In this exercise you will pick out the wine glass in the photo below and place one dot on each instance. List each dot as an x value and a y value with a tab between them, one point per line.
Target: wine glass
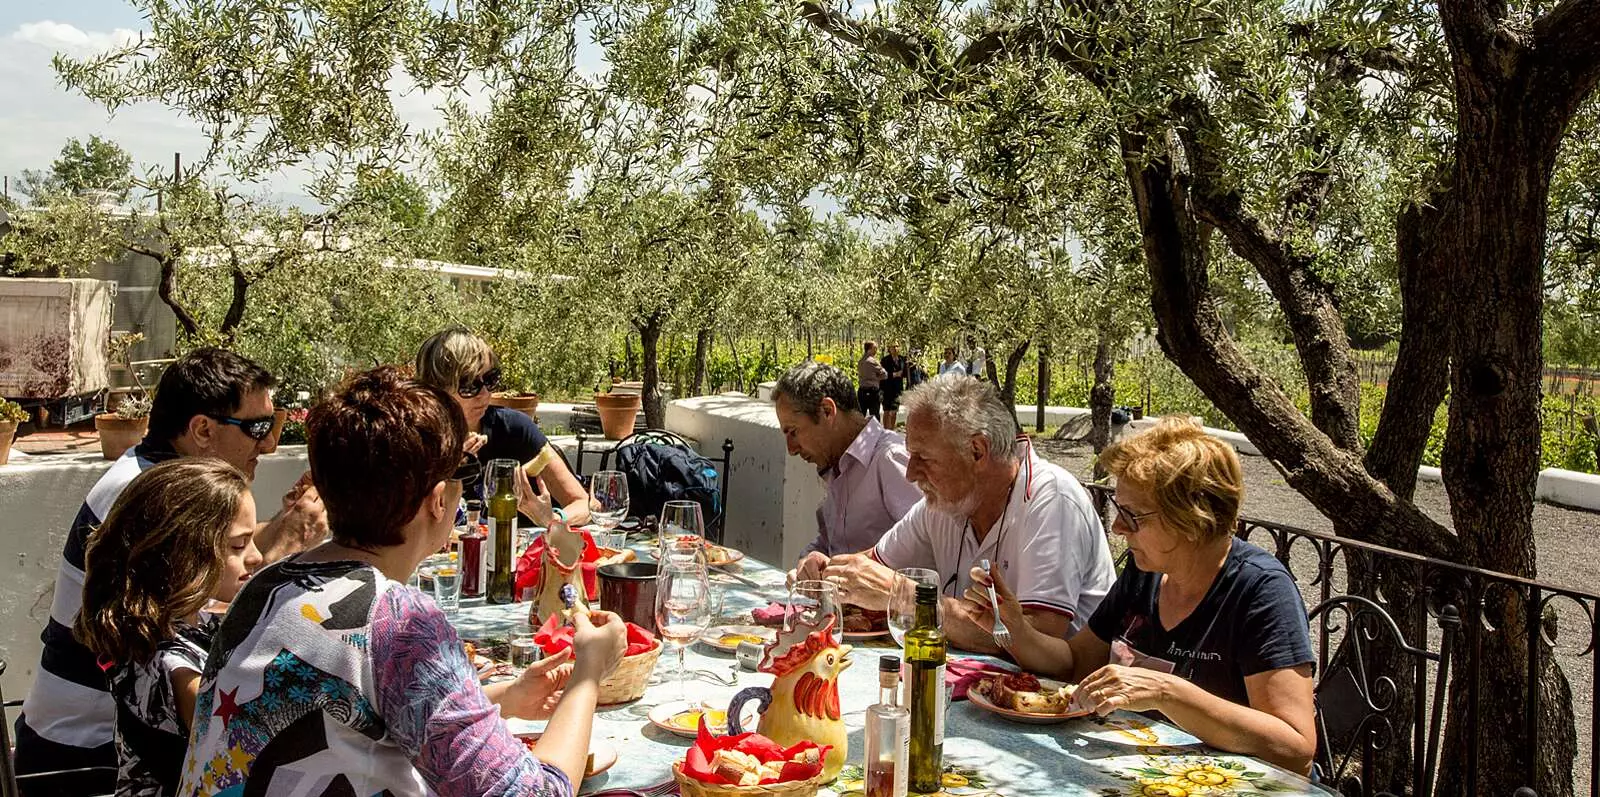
814	603
683	551
495	470
681	519
683	609
903	599
608	499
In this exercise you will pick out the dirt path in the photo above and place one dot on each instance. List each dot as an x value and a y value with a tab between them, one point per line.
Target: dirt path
1568	546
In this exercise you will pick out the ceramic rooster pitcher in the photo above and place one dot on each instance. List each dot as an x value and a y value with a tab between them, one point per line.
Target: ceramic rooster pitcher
563	557
803	702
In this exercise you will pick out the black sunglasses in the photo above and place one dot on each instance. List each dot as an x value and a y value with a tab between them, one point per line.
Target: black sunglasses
1129	517
255	428
469	471
489	381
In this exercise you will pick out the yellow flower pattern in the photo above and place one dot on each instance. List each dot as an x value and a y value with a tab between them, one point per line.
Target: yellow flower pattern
1193	776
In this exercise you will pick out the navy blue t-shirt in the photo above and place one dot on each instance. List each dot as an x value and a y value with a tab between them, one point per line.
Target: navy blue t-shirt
512	435
1251	621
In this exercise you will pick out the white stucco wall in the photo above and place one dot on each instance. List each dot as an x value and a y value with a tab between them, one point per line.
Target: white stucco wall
772	497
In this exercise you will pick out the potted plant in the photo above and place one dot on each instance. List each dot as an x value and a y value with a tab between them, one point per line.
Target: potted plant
618	412
123	429
518	397
11	414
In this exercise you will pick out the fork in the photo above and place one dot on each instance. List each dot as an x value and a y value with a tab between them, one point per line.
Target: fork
1002	635
658	790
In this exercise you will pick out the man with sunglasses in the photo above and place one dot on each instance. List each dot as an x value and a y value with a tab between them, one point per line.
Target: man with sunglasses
210	403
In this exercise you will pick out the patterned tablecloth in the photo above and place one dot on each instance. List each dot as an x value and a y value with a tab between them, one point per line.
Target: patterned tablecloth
985	755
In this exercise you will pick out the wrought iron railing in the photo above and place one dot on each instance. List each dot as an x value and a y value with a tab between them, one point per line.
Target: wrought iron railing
1443	621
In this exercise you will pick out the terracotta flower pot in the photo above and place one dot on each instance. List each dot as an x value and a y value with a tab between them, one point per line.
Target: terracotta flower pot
8	433
617	414
278	418
526	403
119	434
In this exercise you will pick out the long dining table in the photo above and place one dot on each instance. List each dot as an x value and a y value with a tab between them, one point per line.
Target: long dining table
985	755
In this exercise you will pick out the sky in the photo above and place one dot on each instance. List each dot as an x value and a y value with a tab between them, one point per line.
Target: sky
40	114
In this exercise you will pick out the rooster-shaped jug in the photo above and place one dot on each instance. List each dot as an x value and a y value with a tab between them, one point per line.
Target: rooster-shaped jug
803	702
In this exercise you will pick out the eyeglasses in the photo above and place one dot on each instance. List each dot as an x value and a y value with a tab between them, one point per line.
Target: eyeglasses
469	471
490	381
255	428
1129	518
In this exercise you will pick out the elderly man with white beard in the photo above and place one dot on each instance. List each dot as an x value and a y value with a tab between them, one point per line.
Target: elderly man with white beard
986	496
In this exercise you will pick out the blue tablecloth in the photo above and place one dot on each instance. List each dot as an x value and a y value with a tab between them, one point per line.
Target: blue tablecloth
984	754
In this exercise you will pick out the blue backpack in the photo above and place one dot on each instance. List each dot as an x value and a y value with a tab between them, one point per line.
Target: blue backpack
661	473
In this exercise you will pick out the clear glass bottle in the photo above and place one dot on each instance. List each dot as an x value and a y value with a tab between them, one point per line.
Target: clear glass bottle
888	735
925	696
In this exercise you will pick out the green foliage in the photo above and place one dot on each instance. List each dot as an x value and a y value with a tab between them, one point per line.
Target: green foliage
12	411
98	165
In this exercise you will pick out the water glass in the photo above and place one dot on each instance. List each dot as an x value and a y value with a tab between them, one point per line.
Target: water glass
681	519
447	587
903	599
615	540
608	498
815	603
524	650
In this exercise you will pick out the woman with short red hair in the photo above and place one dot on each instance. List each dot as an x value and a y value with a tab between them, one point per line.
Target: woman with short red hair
330	675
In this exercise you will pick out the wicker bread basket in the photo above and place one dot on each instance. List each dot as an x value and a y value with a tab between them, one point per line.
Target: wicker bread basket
627	683
692	787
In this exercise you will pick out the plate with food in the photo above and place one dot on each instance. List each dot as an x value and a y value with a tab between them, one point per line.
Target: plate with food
683	718
1021	697
716	555
602	755
862	623
726	638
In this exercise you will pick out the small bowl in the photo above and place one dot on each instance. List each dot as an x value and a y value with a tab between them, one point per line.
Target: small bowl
749	655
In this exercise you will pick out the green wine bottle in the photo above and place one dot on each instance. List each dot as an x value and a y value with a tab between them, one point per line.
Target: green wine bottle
925	696
502	529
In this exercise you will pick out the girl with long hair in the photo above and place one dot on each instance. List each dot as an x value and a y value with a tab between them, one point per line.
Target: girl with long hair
176	540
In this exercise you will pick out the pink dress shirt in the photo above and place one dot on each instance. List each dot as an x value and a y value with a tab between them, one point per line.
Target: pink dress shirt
867	492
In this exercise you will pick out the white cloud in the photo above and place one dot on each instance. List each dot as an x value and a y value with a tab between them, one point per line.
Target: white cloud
59	36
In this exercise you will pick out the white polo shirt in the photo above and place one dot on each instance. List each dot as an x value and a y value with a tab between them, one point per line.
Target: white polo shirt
1049	545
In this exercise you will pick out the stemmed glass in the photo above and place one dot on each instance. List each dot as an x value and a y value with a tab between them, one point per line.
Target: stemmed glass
683	608
814	602
608	501
903	599
679	520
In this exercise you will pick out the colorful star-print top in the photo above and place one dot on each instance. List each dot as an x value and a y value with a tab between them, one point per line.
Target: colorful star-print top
328	679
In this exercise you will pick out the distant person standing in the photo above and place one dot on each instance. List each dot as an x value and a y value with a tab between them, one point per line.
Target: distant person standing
870	374
893	384
915	373
951	365
977	360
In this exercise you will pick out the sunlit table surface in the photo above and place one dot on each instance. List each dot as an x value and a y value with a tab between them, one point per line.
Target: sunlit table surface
1124	755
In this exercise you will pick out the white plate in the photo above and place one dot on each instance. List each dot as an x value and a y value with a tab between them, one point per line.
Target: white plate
662	717
982	701
712	638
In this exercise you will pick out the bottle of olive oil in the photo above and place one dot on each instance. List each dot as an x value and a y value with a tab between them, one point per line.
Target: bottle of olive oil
925	696
503	530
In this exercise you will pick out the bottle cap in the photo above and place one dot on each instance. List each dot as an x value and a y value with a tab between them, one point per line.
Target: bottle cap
888	663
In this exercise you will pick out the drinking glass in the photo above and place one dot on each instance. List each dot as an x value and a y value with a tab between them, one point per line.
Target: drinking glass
683	609
524	651
615	540
608	499
684	551
447	587
815	603
681	519
903	599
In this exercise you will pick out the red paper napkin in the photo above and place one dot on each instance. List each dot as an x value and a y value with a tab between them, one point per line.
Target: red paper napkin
963	674
697	762
771	615
553	637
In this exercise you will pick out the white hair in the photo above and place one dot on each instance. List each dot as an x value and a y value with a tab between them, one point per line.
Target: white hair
964	407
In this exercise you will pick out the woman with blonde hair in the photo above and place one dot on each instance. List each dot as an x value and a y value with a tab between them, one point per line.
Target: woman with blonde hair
462	365
177	539
1205	628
